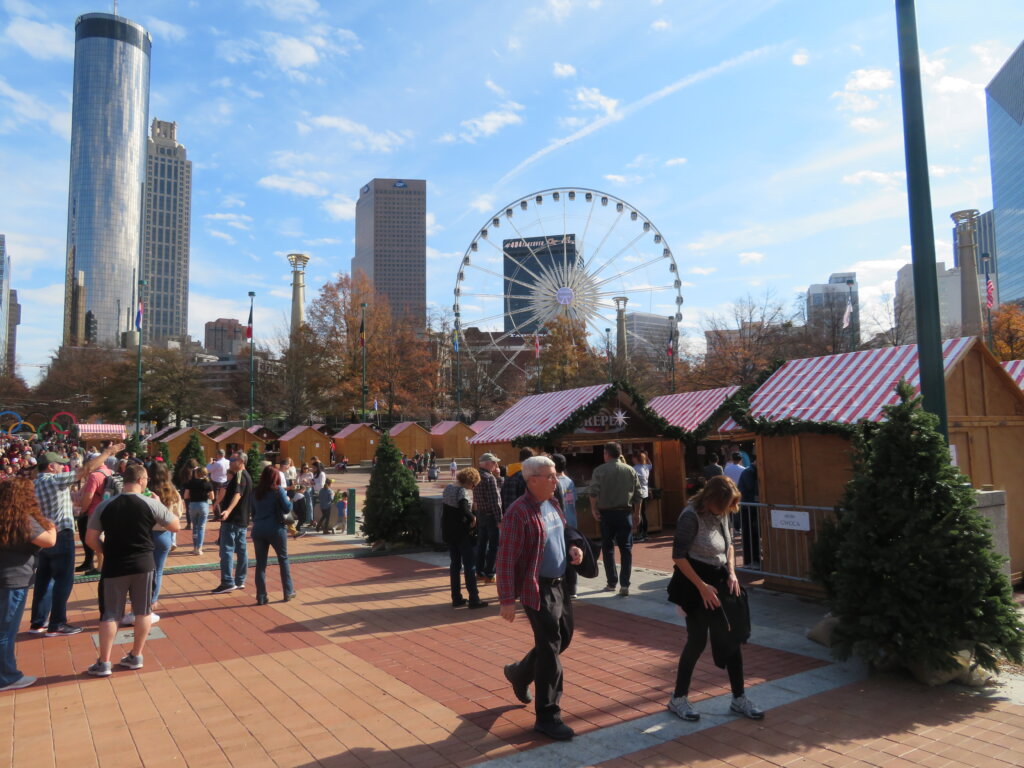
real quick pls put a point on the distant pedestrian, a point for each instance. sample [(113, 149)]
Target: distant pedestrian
[(163, 541), (487, 507), (614, 492), (218, 472), (458, 531), (710, 594), (237, 513), (642, 467), (199, 495), (453, 468), (712, 468), (326, 502), (734, 468), (269, 530), (341, 501)]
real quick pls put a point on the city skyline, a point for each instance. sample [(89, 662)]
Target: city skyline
[(764, 142)]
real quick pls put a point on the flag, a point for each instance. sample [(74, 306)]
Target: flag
[(990, 291), (848, 314), (455, 339), (248, 328), (375, 403), (138, 317), (362, 333), (671, 345), (536, 345)]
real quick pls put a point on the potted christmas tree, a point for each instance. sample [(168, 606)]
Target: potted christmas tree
[(392, 511)]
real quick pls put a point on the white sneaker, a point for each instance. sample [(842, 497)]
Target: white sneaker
[(128, 620), (154, 618), (680, 707), (741, 705)]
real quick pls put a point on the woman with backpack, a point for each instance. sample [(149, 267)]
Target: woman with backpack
[(269, 529)]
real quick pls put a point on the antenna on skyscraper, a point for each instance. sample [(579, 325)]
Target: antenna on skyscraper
[(115, 7)]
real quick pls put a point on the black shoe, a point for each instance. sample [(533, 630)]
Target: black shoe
[(289, 596), (458, 603), (92, 572), (222, 589), (62, 631), (522, 691), (557, 730), (262, 600), (477, 604), (83, 567)]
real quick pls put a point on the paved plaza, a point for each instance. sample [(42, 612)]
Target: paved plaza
[(370, 666)]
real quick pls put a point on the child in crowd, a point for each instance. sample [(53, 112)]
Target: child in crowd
[(326, 501), (341, 500)]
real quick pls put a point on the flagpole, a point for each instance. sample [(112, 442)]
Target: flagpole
[(988, 303), (138, 371), (362, 343), (252, 363), (458, 373)]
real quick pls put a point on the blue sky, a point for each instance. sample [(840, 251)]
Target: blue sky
[(762, 137)]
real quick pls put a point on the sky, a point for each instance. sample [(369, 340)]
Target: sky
[(763, 138)]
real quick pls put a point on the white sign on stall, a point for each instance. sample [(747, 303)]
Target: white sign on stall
[(791, 519)]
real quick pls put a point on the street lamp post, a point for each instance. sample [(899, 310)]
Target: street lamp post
[(138, 369), (849, 302), (608, 346), (672, 350), (362, 343), (458, 371), (252, 363)]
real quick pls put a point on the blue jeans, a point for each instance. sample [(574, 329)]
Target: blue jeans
[(487, 545), (307, 513), (161, 548), (463, 558), (617, 531), (232, 543), (55, 576), (12, 606), (279, 541), (198, 513)]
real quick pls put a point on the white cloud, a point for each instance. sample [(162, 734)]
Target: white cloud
[(870, 80), (287, 159), (702, 270), (23, 8), (340, 207), (287, 10), (483, 203), (751, 257), (362, 137), (237, 51), (949, 84), (323, 241), (853, 101), (446, 138), (222, 236), (167, 30), (514, 44), (232, 201), (886, 179), (559, 9), (299, 187), (800, 58), (592, 98), (675, 161), (290, 53), (941, 171), (22, 108), (563, 70), (236, 220), (432, 226), (866, 124), (493, 86), (40, 40), (615, 177), (660, 25), (490, 123)]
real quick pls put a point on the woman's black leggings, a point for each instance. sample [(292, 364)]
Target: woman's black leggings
[(697, 627)]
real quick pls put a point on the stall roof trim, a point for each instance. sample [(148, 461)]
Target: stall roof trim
[(536, 414), (227, 434), (341, 434), (102, 430), (402, 426), (1016, 370), (480, 426), (295, 432), (845, 388), (443, 427), (688, 410), (161, 433), (179, 432)]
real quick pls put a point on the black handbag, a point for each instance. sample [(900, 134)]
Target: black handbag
[(588, 566), (287, 515)]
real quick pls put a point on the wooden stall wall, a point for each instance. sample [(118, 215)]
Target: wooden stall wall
[(411, 439), (359, 445), (670, 477), (507, 452), (305, 445), (453, 443), (178, 442)]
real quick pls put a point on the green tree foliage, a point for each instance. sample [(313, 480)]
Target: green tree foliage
[(254, 462), (133, 444), (392, 510), (192, 450), (165, 453), (908, 565)]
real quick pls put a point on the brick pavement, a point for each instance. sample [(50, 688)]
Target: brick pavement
[(370, 666)]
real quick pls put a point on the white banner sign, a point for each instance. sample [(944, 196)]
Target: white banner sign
[(791, 519)]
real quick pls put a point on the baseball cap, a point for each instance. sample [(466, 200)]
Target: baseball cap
[(490, 457), (54, 458)]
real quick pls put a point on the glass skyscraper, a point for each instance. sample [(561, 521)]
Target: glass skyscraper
[(1005, 101), (109, 116)]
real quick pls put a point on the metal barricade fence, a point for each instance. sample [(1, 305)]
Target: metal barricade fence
[(776, 539)]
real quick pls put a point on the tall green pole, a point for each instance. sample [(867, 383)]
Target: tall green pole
[(252, 363), (138, 369), (922, 231), (608, 346), (362, 343), (458, 372)]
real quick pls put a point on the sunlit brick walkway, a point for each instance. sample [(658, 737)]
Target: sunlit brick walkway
[(370, 666)]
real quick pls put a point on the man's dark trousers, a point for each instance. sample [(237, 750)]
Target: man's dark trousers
[(552, 632), (487, 545), (55, 576), (617, 531)]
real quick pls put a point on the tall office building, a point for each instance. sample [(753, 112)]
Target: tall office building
[(13, 321), (826, 309), (109, 113), (651, 335), (1004, 97), (165, 247), (525, 263), (391, 244), (225, 336), (5, 300)]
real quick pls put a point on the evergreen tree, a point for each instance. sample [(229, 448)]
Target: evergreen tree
[(165, 453), (392, 511), (908, 565), (133, 444), (192, 450), (254, 463)]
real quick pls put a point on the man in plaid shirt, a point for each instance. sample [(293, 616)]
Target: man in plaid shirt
[(532, 561), (55, 572), (487, 507)]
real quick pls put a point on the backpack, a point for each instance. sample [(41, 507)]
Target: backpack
[(112, 486)]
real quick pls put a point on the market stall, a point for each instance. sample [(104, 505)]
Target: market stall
[(409, 437), (177, 440), (91, 435), (303, 444), (803, 415), (450, 439), (577, 423), (236, 439), (356, 442)]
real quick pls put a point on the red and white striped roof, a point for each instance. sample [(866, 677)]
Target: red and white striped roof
[(844, 388), (113, 431), (1016, 370), (536, 414), (341, 434), (688, 410), (480, 426)]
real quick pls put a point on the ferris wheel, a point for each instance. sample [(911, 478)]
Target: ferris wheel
[(573, 252)]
